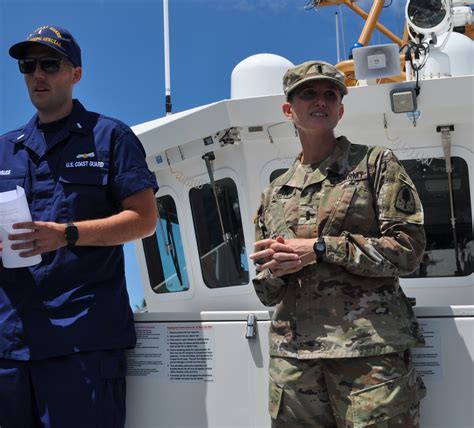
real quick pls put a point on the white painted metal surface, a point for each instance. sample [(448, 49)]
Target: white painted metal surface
[(236, 395)]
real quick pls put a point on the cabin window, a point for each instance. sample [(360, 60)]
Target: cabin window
[(449, 252), (219, 234), (164, 251)]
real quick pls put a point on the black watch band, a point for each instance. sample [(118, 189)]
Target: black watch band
[(71, 234), (319, 248)]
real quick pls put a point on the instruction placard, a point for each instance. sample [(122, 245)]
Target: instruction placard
[(178, 352), (427, 360)]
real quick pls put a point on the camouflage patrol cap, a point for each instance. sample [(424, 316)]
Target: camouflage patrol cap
[(312, 70)]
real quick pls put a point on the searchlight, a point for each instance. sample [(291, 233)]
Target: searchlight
[(430, 22), (427, 17)]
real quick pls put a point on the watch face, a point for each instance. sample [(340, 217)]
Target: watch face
[(320, 246)]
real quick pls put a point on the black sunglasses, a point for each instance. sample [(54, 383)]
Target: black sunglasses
[(48, 65)]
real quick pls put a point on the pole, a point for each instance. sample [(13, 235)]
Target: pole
[(166, 39), (337, 39)]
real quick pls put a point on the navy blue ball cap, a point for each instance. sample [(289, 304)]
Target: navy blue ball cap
[(56, 38)]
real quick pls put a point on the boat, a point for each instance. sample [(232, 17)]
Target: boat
[(202, 352)]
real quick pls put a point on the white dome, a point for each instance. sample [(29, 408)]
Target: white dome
[(437, 65), (460, 50), (259, 75)]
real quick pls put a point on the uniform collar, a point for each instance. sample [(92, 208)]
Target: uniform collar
[(78, 123), (337, 163)]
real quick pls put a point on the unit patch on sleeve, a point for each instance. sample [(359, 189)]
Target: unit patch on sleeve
[(405, 201)]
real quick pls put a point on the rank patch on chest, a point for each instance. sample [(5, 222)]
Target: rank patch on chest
[(405, 201), (85, 155)]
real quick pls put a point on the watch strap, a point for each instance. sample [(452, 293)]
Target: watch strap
[(71, 234)]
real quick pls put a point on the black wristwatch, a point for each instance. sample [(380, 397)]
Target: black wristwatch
[(71, 234), (319, 248)]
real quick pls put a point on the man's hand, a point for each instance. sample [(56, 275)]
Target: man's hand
[(283, 257), (42, 237), (136, 220)]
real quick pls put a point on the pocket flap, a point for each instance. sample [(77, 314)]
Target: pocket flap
[(90, 177), (382, 402), (274, 399)]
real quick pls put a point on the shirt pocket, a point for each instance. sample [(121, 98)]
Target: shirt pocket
[(86, 192), (361, 216), (14, 177), (281, 215), (334, 208)]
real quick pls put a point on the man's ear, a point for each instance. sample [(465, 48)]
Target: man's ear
[(77, 75), (287, 110)]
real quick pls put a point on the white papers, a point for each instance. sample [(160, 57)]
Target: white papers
[(14, 209)]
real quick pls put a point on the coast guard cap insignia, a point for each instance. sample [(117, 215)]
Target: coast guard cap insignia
[(405, 201)]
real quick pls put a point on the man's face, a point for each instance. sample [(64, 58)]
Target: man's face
[(315, 107), (50, 92)]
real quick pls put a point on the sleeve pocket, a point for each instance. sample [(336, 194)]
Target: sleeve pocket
[(382, 402), (274, 399)]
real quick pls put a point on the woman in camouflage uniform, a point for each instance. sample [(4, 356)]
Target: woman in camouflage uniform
[(334, 233)]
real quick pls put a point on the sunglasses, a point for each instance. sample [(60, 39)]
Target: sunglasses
[(48, 65)]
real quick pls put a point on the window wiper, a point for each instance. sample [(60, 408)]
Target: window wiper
[(209, 158), (172, 245), (169, 241)]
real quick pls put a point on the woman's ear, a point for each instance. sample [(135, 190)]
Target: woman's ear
[(341, 111), (287, 110)]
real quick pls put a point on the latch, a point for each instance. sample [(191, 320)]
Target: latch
[(251, 326)]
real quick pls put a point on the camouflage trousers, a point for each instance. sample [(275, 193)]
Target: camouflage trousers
[(382, 391)]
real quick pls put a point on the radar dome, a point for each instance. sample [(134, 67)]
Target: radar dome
[(259, 75)]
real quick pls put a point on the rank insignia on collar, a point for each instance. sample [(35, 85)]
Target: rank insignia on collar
[(405, 201)]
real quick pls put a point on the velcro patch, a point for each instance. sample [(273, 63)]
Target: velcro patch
[(405, 201)]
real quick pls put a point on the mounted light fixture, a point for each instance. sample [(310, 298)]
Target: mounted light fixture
[(428, 16)]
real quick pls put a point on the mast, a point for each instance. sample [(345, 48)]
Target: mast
[(166, 40), (337, 38)]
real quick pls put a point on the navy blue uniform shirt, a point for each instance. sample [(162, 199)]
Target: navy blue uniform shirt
[(75, 299)]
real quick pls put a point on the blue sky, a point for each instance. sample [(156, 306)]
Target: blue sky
[(123, 60)]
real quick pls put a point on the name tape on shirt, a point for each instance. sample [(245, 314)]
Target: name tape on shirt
[(85, 163)]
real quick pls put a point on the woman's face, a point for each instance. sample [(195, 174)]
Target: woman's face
[(315, 107)]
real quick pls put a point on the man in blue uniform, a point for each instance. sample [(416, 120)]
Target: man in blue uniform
[(65, 322)]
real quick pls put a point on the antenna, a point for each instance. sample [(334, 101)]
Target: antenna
[(166, 39), (337, 38), (342, 33)]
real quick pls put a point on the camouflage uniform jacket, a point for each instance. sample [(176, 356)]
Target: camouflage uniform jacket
[(365, 206)]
